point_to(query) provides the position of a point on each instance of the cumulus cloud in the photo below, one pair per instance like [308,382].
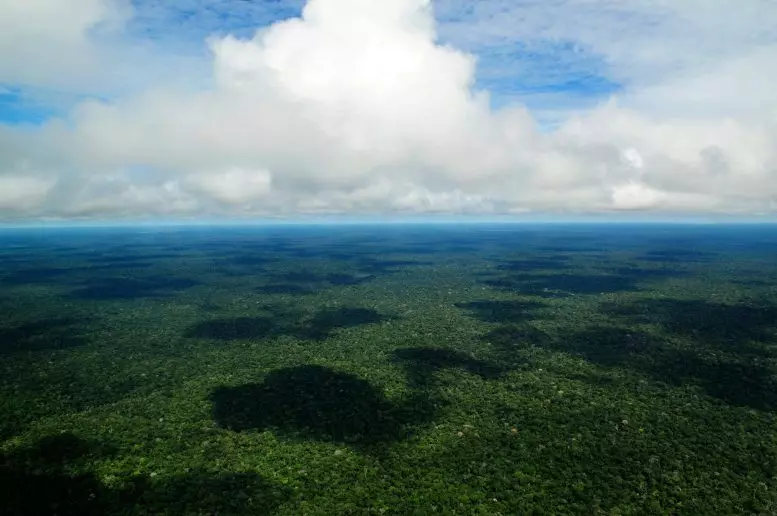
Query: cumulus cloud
[17,193]
[234,186]
[356,107]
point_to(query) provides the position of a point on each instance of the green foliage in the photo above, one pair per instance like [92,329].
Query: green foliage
[390,371]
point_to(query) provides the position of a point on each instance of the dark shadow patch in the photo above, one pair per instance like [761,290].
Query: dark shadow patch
[304,282]
[677,255]
[36,275]
[455,249]
[281,322]
[547,263]
[302,252]
[252,260]
[728,327]
[613,347]
[238,328]
[345,257]
[502,311]
[742,383]
[572,249]
[510,339]
[349,279]
[9,259]
[117,265]
[325,322]
[60,450]
[65,275]
[753,283]
[131,259]
[209,307]
[578,283]
[299,277]
[119,260]
[428,249]
[315,402]
[421,364]
[286,288]
[132,288]
[378,267]
[203,492]
[736,380]
[36,481]
[45,334]
[638,274]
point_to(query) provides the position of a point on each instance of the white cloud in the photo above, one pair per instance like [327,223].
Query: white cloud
[635,196]
[234,186]
[357,108]
[687,58]
[52,43]
[22,194]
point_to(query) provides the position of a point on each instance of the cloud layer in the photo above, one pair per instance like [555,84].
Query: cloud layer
[358,107]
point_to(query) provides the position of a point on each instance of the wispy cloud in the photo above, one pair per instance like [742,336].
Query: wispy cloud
[639,46]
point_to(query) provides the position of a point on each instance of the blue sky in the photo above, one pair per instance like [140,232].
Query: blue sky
[540,74]
[14,109]
[544,75]
[302,109]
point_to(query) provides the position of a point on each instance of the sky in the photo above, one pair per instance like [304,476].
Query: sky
[284,109]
